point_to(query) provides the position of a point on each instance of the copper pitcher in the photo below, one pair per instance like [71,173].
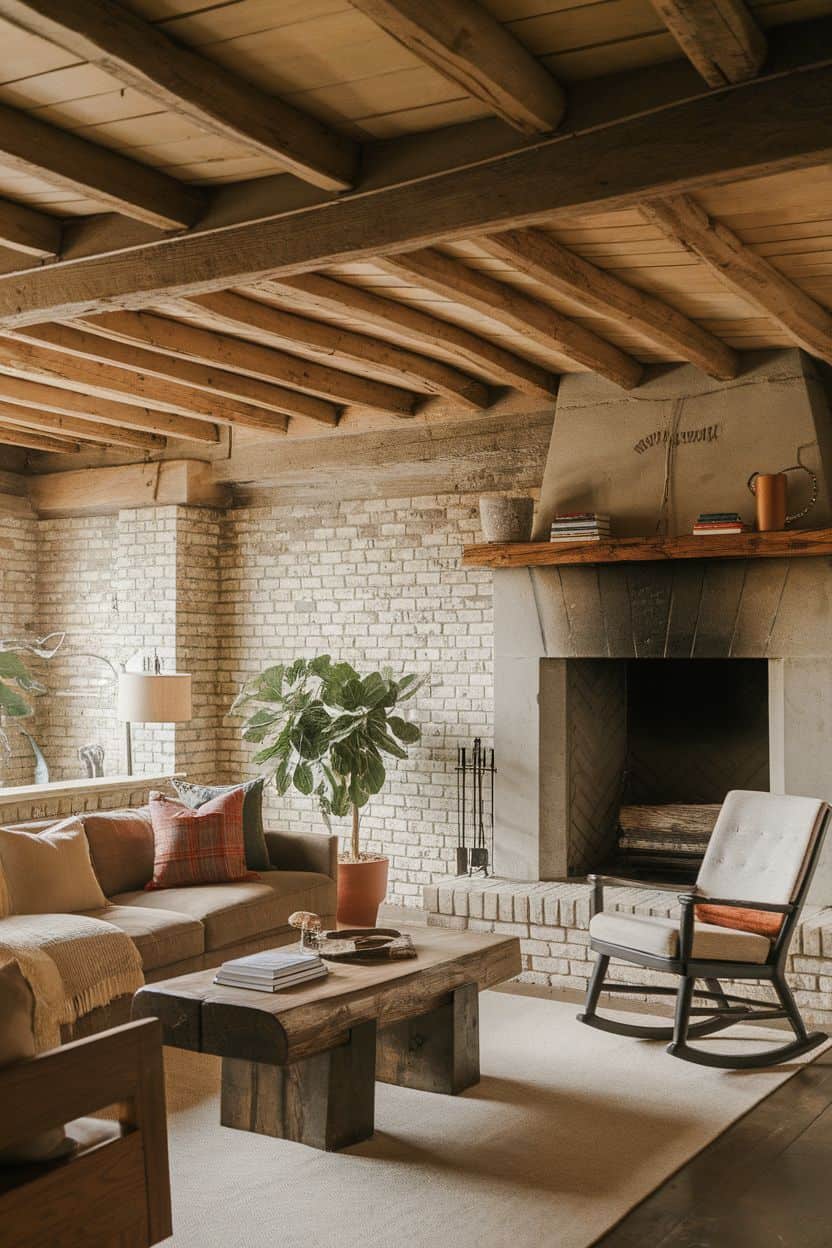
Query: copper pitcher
[770,489]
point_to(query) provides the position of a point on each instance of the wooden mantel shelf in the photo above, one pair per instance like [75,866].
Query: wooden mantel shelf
[788,543]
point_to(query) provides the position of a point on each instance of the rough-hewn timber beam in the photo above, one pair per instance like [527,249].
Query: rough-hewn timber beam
[100,491]
[26,230]
[461,40]
[107,411]
[176,338]
[23,359]
[315,292]
[681,219]
[65,160]
[142,56]
[65,339]
[285,327]
[536,321]
[719,37]
[9,436]
[76,427]
[565,273]
[777,123]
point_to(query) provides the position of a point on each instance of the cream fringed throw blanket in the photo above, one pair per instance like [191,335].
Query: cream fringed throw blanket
[73,965]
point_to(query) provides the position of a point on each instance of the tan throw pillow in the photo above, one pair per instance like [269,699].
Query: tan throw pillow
[51,873]
[121,848]
[17,1042]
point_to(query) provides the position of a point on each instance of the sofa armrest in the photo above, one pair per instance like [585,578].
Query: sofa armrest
[304,851]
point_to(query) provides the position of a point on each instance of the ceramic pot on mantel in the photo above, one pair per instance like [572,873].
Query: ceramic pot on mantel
[506,517]
[362,887]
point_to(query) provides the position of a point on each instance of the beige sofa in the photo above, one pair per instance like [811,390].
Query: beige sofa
[178,930]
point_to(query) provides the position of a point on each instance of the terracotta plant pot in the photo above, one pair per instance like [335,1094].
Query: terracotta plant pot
[362,887]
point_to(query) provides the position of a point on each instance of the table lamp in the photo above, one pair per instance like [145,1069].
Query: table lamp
[152,698]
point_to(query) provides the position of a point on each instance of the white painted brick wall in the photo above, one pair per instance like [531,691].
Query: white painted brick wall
[18,545]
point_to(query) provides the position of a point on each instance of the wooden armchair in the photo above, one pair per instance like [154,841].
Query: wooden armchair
[114,1192]
[736,923]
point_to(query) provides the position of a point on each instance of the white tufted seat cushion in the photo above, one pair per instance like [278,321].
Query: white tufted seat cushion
[760,846]
[660,937]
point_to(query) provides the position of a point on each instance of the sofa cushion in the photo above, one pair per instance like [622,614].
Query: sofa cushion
[50,873]
[235,912]
[121,847]
[660,937]
[162,937]
[197,847]
[196,795]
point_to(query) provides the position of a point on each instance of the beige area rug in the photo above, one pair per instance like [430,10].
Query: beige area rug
[568,1130]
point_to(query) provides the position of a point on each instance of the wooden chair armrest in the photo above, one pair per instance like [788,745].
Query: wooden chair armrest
[699,899]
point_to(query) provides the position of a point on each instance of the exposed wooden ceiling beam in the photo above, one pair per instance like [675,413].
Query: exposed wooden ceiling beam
[66,339]
[9,436]
[315,292]
[101,491]
[735,264]
[719,37]
[461,40]
[76,427]
[777,123]
[511,307]
[28,231]
[65,160]
[540,256]
[285,327]
[176,338]
[107,411]
[142,56]
[23,359]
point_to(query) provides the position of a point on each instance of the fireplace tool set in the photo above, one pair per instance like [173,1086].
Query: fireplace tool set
[475,773]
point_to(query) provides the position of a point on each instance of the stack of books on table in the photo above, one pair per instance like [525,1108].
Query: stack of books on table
[580,526]
[271,970]
[714,523]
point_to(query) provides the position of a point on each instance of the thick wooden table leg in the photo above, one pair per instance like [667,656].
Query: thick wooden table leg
[436,1052]
[326,1101]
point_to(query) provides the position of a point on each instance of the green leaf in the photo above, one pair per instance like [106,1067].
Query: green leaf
[405,731]
[11,667]
[302,779]
[374,775]
[12,703]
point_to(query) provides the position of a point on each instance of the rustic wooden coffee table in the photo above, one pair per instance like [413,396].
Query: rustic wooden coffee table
[301,1064]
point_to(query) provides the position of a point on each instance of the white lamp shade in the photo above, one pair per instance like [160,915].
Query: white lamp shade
[148,698]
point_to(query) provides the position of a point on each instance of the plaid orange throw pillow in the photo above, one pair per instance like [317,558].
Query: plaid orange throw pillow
[198,847]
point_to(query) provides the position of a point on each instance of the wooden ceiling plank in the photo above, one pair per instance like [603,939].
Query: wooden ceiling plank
[774,128]
[141,55]
[741,269]
[234,310]
[10,436]
[720,38]
[543,258]
[537,321]
[107,411]
[176,338]
[76,426]
[66,339]
[35,363]
[464,43]
[319,293]
[65,160]
[28,231]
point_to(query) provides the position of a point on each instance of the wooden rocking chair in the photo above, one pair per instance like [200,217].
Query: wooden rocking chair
[736,924]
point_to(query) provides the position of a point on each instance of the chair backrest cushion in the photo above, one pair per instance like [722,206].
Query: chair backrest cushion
[761,846]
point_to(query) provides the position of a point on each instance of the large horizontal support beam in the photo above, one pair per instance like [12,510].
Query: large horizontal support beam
[108,411]
[141,55]
[286,328]
[102,491]
[719,37]
[315,292]
[562,271]
[777,123]
[176,338]
[737,266]
[511,307]
[76,427]
[461,40]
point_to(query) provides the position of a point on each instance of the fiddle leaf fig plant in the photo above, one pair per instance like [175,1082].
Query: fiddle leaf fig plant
[324,729]
[16,681]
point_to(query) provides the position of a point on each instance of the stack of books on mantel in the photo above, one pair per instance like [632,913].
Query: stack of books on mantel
[580,526]
[271,970]
[716,523]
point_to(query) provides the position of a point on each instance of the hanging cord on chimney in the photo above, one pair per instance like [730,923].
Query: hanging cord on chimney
[669,462]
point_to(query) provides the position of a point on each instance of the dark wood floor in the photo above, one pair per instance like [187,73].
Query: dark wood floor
[765,1183]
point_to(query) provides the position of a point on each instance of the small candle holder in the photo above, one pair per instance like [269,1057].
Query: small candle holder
[310,927]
